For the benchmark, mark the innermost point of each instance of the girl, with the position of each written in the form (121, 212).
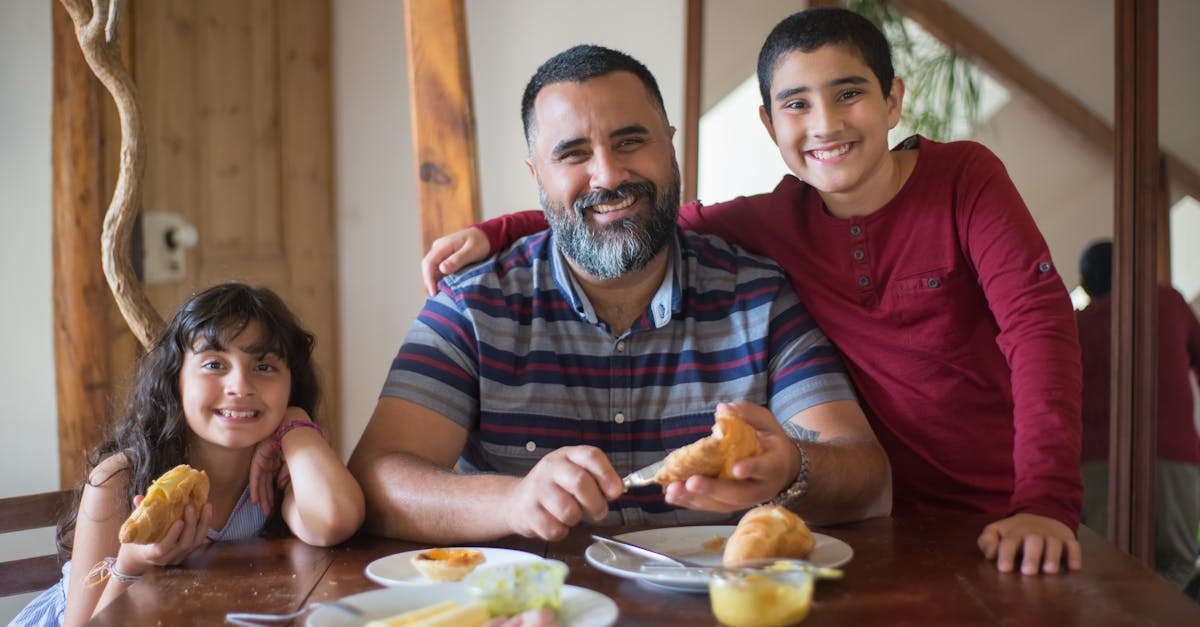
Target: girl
(229, 388)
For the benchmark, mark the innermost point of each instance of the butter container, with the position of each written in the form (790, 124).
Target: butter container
(507, 589)
(760, 597)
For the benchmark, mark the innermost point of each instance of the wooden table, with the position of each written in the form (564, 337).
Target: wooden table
(905, 571)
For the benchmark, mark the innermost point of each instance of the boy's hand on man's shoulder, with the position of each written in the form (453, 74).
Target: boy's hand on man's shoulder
(1041, 542)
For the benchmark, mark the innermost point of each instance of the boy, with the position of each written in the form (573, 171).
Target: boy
(925, 268)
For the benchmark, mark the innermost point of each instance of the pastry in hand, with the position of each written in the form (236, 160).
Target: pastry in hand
(447, 564)
(769, 531)
(164, 503)
(732, 440)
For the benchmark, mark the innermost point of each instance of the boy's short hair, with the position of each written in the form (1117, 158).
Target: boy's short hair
(578, 64)
(813, 28)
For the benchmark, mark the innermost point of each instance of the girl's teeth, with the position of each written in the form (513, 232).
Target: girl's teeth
(237, 414)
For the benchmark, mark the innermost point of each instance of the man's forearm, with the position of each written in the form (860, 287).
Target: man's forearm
(410, 498)
(848, 480)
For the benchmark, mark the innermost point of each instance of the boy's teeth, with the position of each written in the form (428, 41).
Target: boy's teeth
(237, 414)
(829, 154)
(625, 202)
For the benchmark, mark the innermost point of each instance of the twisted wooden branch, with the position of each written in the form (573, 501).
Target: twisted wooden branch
(95, 28)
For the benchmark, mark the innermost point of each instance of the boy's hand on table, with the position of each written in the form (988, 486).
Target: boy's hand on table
(1043, 543)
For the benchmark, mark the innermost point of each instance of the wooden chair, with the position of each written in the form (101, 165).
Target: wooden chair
(34, 511)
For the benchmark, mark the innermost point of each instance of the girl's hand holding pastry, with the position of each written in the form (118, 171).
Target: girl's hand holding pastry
(183, 536)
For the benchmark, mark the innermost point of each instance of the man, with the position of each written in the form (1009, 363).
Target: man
(589, 350)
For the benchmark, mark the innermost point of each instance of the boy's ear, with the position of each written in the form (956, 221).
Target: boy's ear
(895, 102)
(766, 121)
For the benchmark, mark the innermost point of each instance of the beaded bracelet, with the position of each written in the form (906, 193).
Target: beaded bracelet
(277, 439)
(106, 568)
(799, 487)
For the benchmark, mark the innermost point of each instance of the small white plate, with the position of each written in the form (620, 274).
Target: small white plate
(397, 569)
(581, 607)
(688, 543)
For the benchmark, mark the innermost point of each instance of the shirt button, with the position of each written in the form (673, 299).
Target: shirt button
(859, 254)
(530, 446)
(619, 418)
(864, 281)
(1044, 266)
(856, 230)
(621, 347)
(934, 282)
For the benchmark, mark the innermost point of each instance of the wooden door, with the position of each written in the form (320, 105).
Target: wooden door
(236, 102)
(236, 105)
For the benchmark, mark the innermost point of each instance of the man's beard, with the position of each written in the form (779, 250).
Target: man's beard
(627, 245)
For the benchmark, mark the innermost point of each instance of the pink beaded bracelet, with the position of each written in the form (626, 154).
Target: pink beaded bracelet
(288, 426)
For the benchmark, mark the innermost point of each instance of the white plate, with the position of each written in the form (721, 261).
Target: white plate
(688, 543)
(397, 569)
(581, 607)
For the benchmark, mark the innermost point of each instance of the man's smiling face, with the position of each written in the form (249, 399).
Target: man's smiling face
(602, 155)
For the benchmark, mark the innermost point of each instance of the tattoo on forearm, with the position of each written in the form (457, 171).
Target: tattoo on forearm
(796, 432)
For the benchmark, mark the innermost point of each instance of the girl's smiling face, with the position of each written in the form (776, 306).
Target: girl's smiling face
(233, 394)
(830, 120)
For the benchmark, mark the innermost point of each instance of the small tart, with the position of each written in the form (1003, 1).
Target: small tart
(447, 564)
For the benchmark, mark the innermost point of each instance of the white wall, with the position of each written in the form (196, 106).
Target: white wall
(510, 39)
(29, 420)
(378, 231)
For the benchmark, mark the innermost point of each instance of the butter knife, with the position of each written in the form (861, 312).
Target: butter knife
(662, 569)
(642, 476)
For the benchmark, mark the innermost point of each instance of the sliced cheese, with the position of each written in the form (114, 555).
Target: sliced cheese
(413, 616)
(472, 615)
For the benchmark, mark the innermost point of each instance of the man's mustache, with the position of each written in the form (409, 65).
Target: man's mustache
(606, 196)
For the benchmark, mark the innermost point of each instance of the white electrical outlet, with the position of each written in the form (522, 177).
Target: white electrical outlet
(166, 237)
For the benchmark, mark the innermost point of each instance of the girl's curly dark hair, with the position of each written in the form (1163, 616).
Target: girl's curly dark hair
(152, 431)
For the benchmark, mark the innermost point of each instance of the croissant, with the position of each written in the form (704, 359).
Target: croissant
(769, 531)
(164, 503)
(732, 440)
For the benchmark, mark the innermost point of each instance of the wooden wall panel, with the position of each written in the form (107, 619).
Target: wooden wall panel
(1135, 292)
(224, 94)
(165, 71)
(263, 142)
(306, 166)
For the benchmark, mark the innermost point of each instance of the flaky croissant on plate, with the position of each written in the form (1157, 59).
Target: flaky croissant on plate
(165, 501)
(732, 440)
(769, 531)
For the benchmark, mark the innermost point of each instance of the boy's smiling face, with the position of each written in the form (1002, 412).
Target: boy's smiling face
(830, 120)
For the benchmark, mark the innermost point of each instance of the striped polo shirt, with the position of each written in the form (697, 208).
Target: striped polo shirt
(512, 351)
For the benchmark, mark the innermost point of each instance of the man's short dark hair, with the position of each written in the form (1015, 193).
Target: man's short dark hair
(1095, 269)
(578, 64)
(822, 26)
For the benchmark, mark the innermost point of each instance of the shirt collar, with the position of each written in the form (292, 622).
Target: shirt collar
(663, 305)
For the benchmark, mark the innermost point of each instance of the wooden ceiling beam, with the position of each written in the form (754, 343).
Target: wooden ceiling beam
(969, 40)
(443, 123)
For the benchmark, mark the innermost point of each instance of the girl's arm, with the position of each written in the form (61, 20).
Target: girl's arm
(323, 505)
(102, 509)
